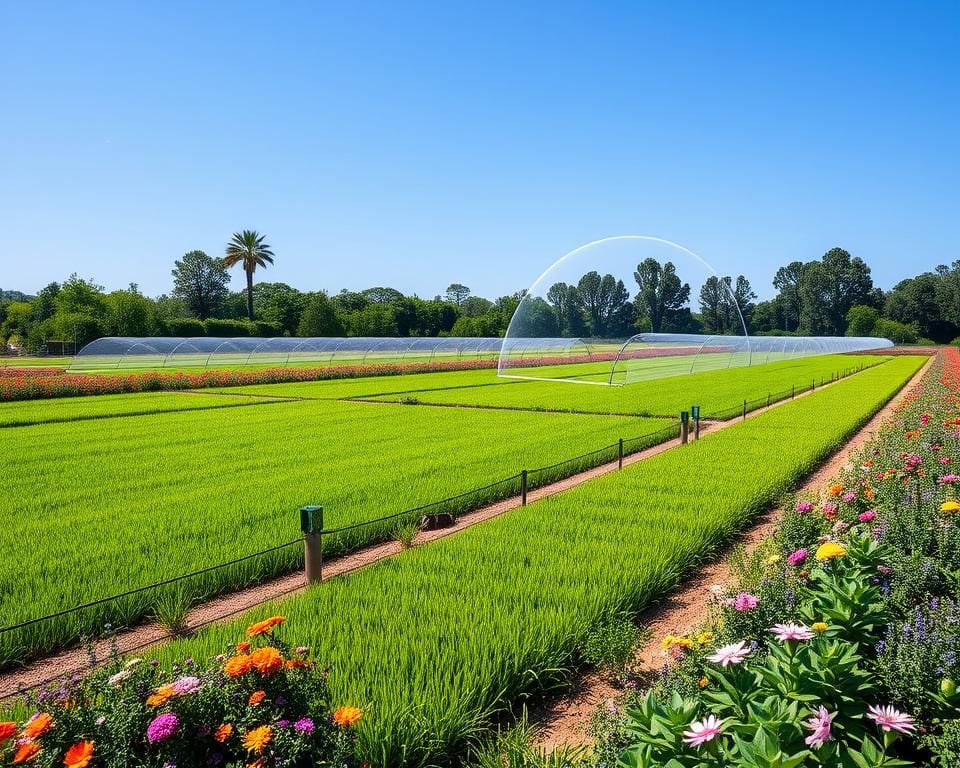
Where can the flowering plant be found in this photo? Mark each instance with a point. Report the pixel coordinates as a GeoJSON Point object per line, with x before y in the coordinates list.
{"type": "Point", "coordinates": [262, 705]}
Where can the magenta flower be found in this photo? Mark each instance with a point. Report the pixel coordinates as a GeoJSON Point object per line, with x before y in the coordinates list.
{"type": "Point", "coordinates": [798, 557]}
{"type": "Point", "coordinates": [803, 506]}
{"type": "Point", "coordinates": [849, 497]}
{"type": "Point", "coordinates": [866, 517]}
{"type": "Point", "coordinates": [706, 730]}
{"type": "Point", "coordinates": [820, 725]}
{"type": "Point", "coordinates": [186, 685]}
{"type": "Point", "coordinates": [745, 602]}
{"type": "Point", "coordinates": [304, 725]}
{"type": "Point", "coordinates": [945, 479]}
{"type": "Point", "coordinates": [785, 632]}
{"type": "Point", "coordinates": [730, 654]}
{"type": "Point", "coordinates": [890, 719]}
{"type": "Point", "coordinates": [162, 727]}
{"type": "Point", "coordinates": [913, 461]}
{"type": "Point", "coordinates": [829, 508]}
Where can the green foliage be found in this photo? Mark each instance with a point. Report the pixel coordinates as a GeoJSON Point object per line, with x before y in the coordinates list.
{"type": "Point", "coordinates": [610, 647]}
{"type": "Point", "coordinates": [898, 333]}
{"type": "Point", "coordinates": [861, 320]}
{"type": "Point", "coordinates": [319, 317]}
{"type": "Point", "coordinates": [513, 749]}
{"type": "Point", "coordinates": [226, 328]}
{"type": "Point", "coordinates": [186, 326]}
{"type": "Point", "coordinates": [201, 283]}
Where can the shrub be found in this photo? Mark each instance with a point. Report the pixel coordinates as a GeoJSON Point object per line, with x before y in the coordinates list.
{"type": "Point", "coordinates": [610, 647]}
{"type": "Point", "coordinates": [264, 328]}
{"type": "Point", "coordinates": [266, 704]}
{"type": "Point", "coordinates": [185, 326]}
{"type": "Point", "coordinates": [226, 328]}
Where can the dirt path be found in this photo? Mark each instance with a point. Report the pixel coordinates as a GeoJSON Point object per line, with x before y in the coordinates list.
{"type": "Point", "coordinates": [141, 637]}
{"type": "Point", "coordinates": [566, 719]}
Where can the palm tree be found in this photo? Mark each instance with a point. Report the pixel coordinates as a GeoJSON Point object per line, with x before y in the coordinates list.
{"type": "Point", "coordinates": [248, 248]}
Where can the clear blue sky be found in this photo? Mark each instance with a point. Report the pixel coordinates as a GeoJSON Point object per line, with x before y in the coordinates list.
{"type": "Point", "coordinates": [413, 144]}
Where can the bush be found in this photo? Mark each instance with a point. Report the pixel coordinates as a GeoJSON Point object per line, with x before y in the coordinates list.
{"type": "Point", "coordinates": [610, 647]}
{"type": "Point", "coordinates": [185, 326]}
{"type": "Point", "coordinates": [226, 328]}
{"type": "Point", "coordinates": [264, 328]}
{"type": "Point", "coordinates": [898, 333]}
{"type": "Point", "coordinates": [266, 704]}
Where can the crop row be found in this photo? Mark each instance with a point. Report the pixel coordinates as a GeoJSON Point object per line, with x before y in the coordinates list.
{"type": "Point", "coordinates": [96, 507]}
{"type": "Point", "coordinates": [438, 641]}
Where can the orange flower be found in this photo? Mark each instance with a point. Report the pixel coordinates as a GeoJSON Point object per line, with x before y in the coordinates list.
{"type": "Point", "coordinates": [267, 660]}
{"type": "Point", "coordinates": [160, 696]}
{"type": "Point", "coordinates": [266, 625]}
{"type": "Point", "coordinates": [869, 494]}
{"type": "Point", "coordinates": [7, 730]}
{"type": "Point", "coordinates": [38, 726]}
{"type": "Point", "coordinates": [223, 733]}
{"type": "Point", "coordinates": [237, 666]}
{"type": "Point", "coordinates": [296, 664]}
{"type": "Point", "coordinates": [257, 740]}
{"type": "Point", "coordinates": [243, 647]}
{"type": "Point", "coordinates": [258, 763]}
{"type": "Point", "coordinates": [347, 716]}
{"type": "Point", "coordinates": [256, 697]}
{"type": "Point", "coordinates": [26, 752]}
{"type": "Point", "coordinates": [79, 755]}
{"type": "Point", "coordinates": [836, 490]}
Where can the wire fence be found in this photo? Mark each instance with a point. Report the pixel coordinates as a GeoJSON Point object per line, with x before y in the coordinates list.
{"type": "Point", "coordinates": [169, 600]}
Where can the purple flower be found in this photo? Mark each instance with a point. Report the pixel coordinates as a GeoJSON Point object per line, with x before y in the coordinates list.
{"type": "Point", "coordinates": [866, 517]}
{"type": "Point", "coordinates": [803, 506]}
{"type": "Point", "coordinates": [305, 726]}
{"type": "Point", "coordinates": [162, 727]}
{"type": "Point", "coordinates": [798, 557]}
{"type": "Point", "coordinates": [282, 723]}
{"type": "Point", "coordinates": [849, 497]}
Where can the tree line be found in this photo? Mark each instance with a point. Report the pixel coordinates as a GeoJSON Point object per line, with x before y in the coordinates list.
{"type": "Point", "coordinates": [831, 296]}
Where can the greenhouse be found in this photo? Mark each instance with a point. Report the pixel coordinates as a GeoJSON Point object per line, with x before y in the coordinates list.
{"type": "Point", "coordinates": [115, 352]}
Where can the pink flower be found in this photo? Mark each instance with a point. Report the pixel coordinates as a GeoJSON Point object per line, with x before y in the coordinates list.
{"type": "Point", "coordinates": [820, 725]}
{"type": "Point", "coordinates": [798, 557]}
{"type": "Point", "coordinates": [944, 479]}
{"type": "Point", "coordinates": [730, 654]}
{"type": "Point", "coordinates": [866, 517]}
{"type": "Point", "coordinates": [706, 730]}
{"type": "Point", "coordinates": [745, 602]}
{"type": "Point", "coordinates": [829, 508]}
{"type": "Point", "coordinates": [791, 631]}
{"type": "Point", "coordinates": [803, 506]}
{"type": "Point", "coordinates": [945, 459]}
{"type": "Point", "coordinates": [891, 719]}
{"type": "Point", "coordinates": [849, 497]}
{"type": "Point", "coordinates": [186, 685]}
{"type": "Point", "coordinates": [925, 418]}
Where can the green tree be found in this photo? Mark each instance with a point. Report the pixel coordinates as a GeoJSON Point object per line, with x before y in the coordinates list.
{"type": "Point", "coordinates": [662, 295]}
{"type": "Point", "coordinates": [129, 313]}
{"type": "Point", "coordinates": [319, 317]}
{"type": "Point", "coordinates": [248, 249]}
{"type": "Point", "coordinates": [787, 282]}
{"type": "Point", "coordinates": [279, 304]}
{"type": "Point", "coordinates": [201, 282]}
{"type": "Point", "coordinates": [861, 320]}
{"type": "Point", "coordinates": [372, 320]}
{"type": "Point", "coordinates": [603, 300]}
{"type": "Point", "coordinates": [457, 293]}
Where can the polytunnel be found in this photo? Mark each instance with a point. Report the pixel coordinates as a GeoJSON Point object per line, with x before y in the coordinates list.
{"type": "Point", "coordinates": [122, 352]}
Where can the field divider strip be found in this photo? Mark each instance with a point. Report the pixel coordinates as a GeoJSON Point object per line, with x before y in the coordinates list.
{"type": "Point", "coordinates": [17, 682]}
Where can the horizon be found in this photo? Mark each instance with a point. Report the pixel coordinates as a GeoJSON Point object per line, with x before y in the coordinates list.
{"type": "Point", "coordinates": [440, 145]}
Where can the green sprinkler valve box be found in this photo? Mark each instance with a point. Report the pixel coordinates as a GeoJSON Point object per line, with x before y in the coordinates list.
{"type": "Point", "coordinates": [311, 519]}
{"type": "Point", "coordinates": [684, 417]}
{"type": "Point", "coordinates": [695, 411]}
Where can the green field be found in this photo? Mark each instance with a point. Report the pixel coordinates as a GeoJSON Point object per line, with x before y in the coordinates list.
{"type": "Point", "coordinates": [29, 412]}
{"type": "Point", "coordinates": [111, 504]}
{"type": "Point", "coordinates": [436, 642]}
{"type": "Point", "coordinates": [715, 391]}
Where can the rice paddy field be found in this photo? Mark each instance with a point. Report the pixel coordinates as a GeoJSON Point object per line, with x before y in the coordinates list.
{"type": "Point", "coordinates": [439, 641]}
{"type": "Point", "coordinates": [110, 493]}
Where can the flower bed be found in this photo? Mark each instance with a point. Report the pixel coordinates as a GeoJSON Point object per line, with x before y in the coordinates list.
{"type": "Point", "coordinates": [262, 705]}
{"type": "Point", "coordinates": [838, 644]}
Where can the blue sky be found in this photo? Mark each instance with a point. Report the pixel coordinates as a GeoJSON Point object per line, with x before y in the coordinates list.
{"type": "Point", "coordinates": [414, 144]}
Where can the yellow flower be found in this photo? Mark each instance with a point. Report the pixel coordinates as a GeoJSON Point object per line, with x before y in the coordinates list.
{"type": "Point", "coordinates": [772, 560]}
{"type": "Point", "coordinates": [819, 626]}
{"type": "Point", "coordinates": [703, 682]}
{"type": "Point", "coordinates": [950, 506]}
{"type": "Point", "coordinates": [667, 642]}
{"type": "Point", "coordinates": [830, 550]}
{"type": "Point", "coordinates": [704, 637]}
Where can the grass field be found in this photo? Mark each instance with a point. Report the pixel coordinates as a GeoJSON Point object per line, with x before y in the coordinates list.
{"type": "Point", "coordinates": [437, 641]}
{"type": "Point", "coordinates": [96, 507]}
{"type": "Point", "coordinates": [714, 391]}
